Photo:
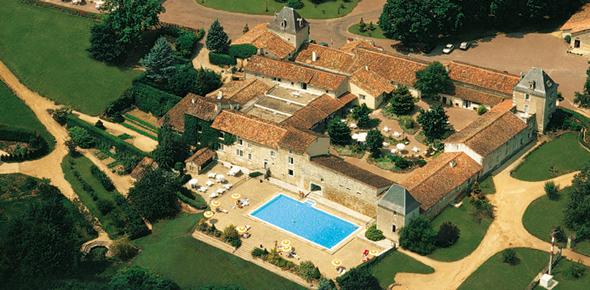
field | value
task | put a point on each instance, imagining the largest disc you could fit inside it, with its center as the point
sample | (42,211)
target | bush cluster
(150,99)
(102,177)
(242,51)
(221,59)
(374,234)
(36,145)
(306,270)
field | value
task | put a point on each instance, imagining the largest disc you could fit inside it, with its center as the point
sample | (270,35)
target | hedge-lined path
(511,199)
(48,166)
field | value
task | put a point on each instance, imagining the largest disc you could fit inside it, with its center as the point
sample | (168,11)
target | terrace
(258,192)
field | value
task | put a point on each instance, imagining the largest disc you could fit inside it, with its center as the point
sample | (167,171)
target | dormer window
(532,85)
(284,24)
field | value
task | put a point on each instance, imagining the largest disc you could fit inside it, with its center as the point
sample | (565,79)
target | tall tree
(139,278)
(358,278)
(402,101)
(105,45)
(577,213)
(159,61)
(418,236)
(206,81)
(130,18)
(375,143)
(583,98)
(434,80)
(434,122)
(339,132)
(154,195)
(506,13)
(171,148)
(217,39)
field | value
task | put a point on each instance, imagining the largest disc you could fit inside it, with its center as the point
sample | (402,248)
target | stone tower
(536,94)
(290,26)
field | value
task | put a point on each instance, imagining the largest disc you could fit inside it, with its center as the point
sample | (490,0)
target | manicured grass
(487,186)
(16,195)
(140,131)
(328,9)
(172,252)
(494,274)
(471,235)
(142,123)
(395,262)
(15,114)
(560,156)
(544,214)
(376,33)
(46,49)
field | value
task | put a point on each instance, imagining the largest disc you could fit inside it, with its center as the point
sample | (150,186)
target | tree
(245,29)
(295,4)
(434,122)
(577,213)
(171,148)
(374,234)
(434,80)
(509,257)
(506,13)
(124,249)
(182,79)
(551,189)
(361,115)
(575,271)
(402,101)
(139,278)
(231,236)
(362,25)
(420,21)
(375,143)
(100,125)
(81,137)
(206,81)
(105,45)
(583,99)
(154,195)
(130,18)
(308,271)
(358,278)
(339,132)
(448,234)
(186,43)
(418,236)
(482,110)
(159,61)
(217,40)
(326,284)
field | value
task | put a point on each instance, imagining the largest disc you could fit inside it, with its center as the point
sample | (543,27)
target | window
(222,136)
(290,172)
(290,160)
(221,147)
(272,153)
(393,228)
(526,96)
(241,142)
(249,156)
(239,152)
(362,97)
(304,86)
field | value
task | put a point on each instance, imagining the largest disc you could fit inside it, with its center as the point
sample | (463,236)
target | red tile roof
(371,82)
(327,58)
(580,21)
(241,91)
(201,156)
(318,110)
(393,67)
(262,38)
(478,95)
(200,107)
(482,77)
(345,168)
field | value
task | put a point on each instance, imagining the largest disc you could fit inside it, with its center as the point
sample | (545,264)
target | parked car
(465,45)
(448,48)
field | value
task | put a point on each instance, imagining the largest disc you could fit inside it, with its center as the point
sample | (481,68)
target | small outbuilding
(200,161)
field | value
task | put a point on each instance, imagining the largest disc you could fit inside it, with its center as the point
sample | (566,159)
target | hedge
(221,59)
(198,202)
(150,99)
(242,51)
(105,181)
(38,145)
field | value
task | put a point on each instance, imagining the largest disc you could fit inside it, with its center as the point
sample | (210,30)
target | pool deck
(349,251)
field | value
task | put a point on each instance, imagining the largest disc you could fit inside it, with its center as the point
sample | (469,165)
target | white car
(464,45)
(448,48)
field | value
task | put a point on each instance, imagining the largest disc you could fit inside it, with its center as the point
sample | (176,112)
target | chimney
(314,56)
(219,95)
(453,163)
(193,100)
(366,67)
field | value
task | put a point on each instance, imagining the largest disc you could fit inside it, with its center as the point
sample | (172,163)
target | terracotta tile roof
(490,131)
(142,167)
(395,68)
(262,132)
(318,110)
(482,77)
(242,91)
(327,58)
(478,95)
(201,156)
(261,37)
(579,21)
(371,82)
(293,72)
(345,168)
(349,46)
(429,184)
(194,105)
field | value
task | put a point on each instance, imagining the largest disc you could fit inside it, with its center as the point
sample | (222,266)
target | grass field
(46,49)
(560,156)
(487,186)
(471,235)
(376,33)
(328,9)
(15,114)
(396,262)
(494,274)
(172,252)
(544,214)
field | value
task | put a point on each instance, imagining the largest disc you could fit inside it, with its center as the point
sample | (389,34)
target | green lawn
(487,186)
(15,114)
(395,262)
(544,214)
(560,156)
(172,252)
(46,49)
(494,274)
(328,9)
(376,33)
(471,235)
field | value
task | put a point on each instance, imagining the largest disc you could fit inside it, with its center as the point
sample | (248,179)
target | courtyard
(255,192)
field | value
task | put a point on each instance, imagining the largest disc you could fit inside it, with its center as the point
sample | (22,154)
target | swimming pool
(305,221)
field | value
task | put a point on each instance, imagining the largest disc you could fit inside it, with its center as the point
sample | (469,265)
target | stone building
(536,95)
(577,30)
(290,26)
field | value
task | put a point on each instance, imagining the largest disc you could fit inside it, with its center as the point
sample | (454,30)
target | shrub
(37,146)
(482,208)
(568,38)
(231,236)
(99,125)
(575,271)
(81,137)
(406,122)
(60,115)
(124,249)
(418,236)
(105,181)
(374,234)
(308,271)
(509,257)
(186,43)
(326,284)
(242,51)
(150,99)
(551,189)
(221,59)
(358,278)
(448,234)
(560,235)
(259,253)
(481,110)
(255,174)
(295,4)
(105,206)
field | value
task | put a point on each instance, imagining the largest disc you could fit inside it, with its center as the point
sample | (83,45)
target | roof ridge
(481,89)
(484,68)
(487,124)
(455,155)
(394,55)
(331,48)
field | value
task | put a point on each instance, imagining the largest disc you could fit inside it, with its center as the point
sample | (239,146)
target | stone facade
(364,97)
(539,107)
(301,86)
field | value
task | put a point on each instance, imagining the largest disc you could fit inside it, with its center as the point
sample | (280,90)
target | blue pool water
(304,220)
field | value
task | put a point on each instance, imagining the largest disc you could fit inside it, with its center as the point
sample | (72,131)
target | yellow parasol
(242,229)
(236,195)
(285,243)
(336,263)
(208,214)
(374,252)
(215,203)
(286,249)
